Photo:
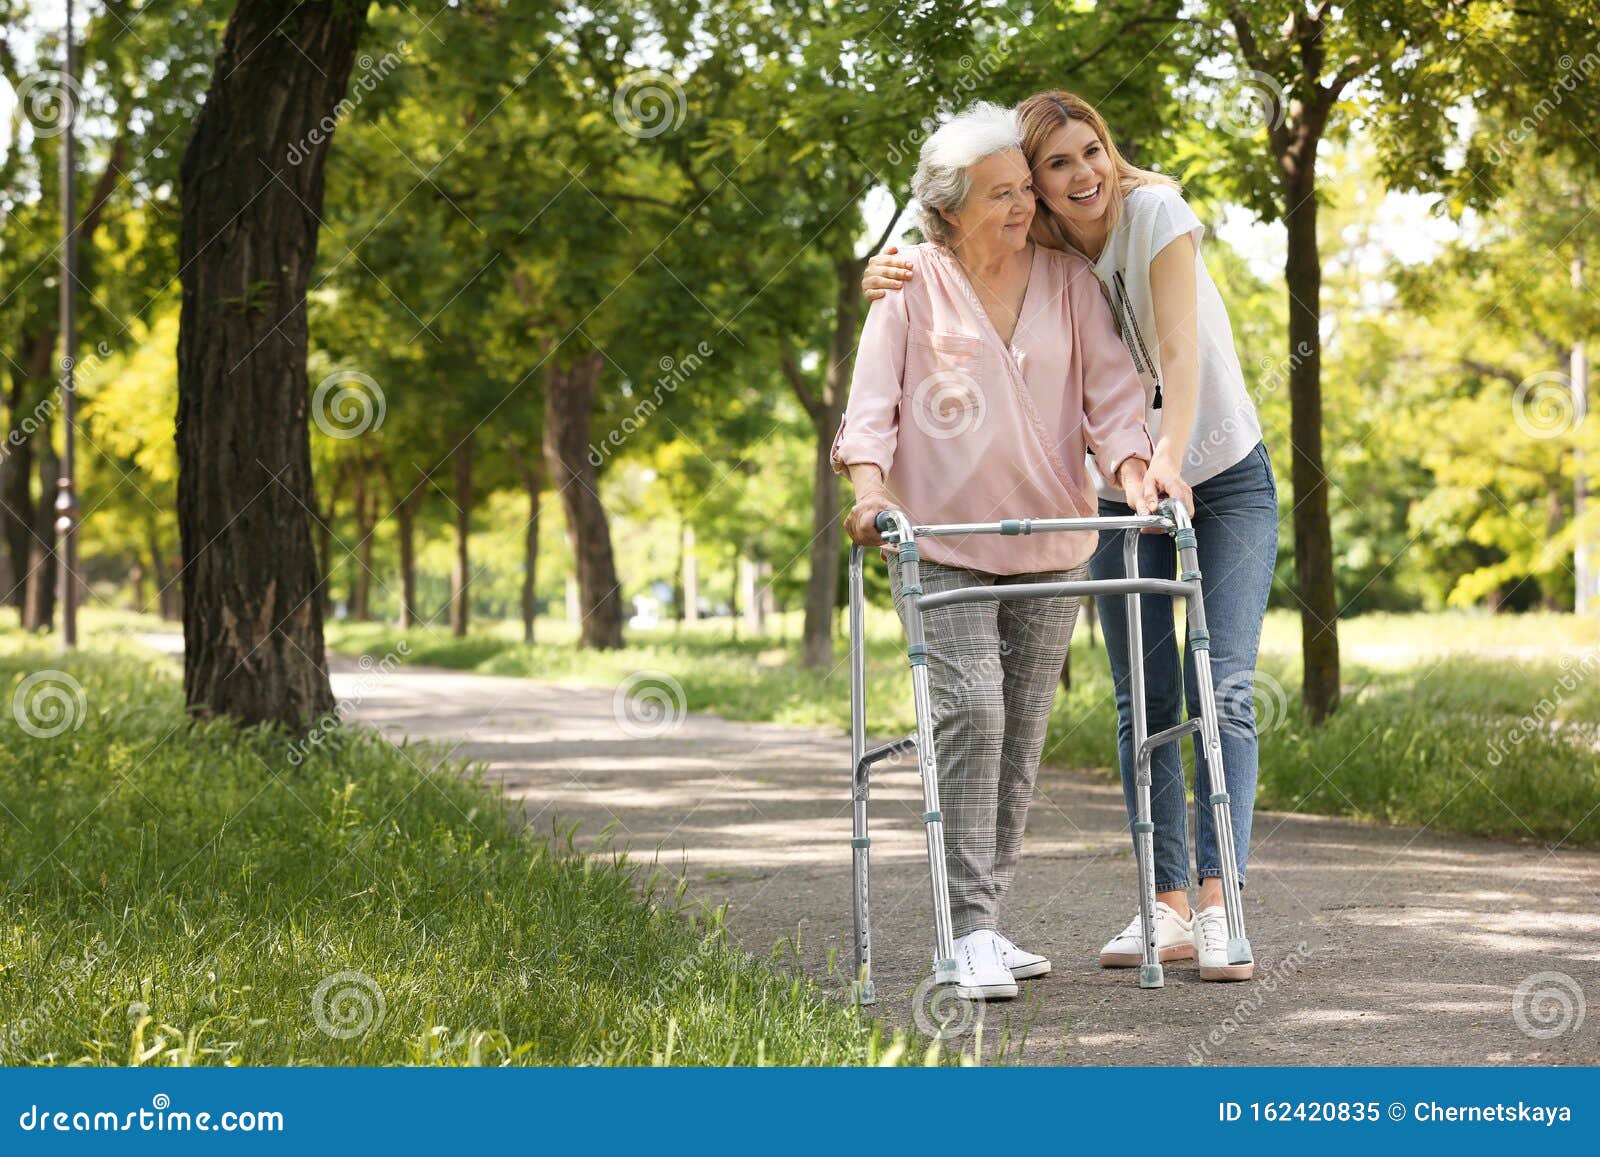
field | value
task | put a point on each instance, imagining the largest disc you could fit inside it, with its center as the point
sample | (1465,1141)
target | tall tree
(251,617)
(1402,70)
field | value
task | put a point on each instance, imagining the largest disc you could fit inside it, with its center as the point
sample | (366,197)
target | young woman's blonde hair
(1041,115)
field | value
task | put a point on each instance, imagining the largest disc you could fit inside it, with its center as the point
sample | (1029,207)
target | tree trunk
(158,574)
(361,582)
(406,513)
(16,514)
(39,610)
(1578,361)
(1313,536)
(1555,517)
(530,468)
(16,469)
(827,532)
(691,578)
(252,621)
(38,351)
(326,514)
(461,573)
(677,577)
(569,400)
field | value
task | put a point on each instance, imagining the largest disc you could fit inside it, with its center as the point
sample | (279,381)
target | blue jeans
(1236,534)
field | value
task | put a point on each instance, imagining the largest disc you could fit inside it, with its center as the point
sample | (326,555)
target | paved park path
(1374,945)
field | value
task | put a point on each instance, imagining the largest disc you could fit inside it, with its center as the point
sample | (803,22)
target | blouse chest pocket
(944,382)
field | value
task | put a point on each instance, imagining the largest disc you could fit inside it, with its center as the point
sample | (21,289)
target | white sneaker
(1211,945)
(1022,965)
(984,975)
(1175,940)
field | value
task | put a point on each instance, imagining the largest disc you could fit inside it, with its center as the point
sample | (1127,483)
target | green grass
(181,894)
(1433,728)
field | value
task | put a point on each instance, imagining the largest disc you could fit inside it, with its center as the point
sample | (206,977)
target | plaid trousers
(993,668)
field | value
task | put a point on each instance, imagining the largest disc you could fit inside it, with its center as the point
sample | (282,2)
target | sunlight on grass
(184,895)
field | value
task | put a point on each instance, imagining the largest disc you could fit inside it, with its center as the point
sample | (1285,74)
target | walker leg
(861,986)
(1150,973)
(944,952)
(1220,801)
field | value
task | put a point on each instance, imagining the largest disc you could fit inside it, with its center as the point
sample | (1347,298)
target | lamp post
(66,495)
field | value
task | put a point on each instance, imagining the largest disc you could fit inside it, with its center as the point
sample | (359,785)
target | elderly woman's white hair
(943,177)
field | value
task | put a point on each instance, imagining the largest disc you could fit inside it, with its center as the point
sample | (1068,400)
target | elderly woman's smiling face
(999,205)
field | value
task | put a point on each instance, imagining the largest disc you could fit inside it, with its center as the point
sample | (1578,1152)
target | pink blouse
(967,429)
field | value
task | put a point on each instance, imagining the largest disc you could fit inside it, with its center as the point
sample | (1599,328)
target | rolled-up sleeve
(870,428)
(1113,397)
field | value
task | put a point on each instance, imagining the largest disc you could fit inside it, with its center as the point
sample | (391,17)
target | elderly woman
(976,392)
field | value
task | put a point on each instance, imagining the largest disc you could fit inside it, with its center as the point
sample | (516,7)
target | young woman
(1143,241)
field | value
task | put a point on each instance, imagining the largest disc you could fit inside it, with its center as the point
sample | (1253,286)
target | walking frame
(902,538)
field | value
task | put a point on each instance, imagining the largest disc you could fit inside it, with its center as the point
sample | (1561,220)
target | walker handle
(884,522)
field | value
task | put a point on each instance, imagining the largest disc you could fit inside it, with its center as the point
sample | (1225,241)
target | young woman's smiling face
(1073,174)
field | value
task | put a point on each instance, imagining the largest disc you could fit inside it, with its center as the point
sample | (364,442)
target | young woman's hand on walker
(1164,479)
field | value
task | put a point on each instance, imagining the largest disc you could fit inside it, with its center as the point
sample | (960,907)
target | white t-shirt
(1225,424)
